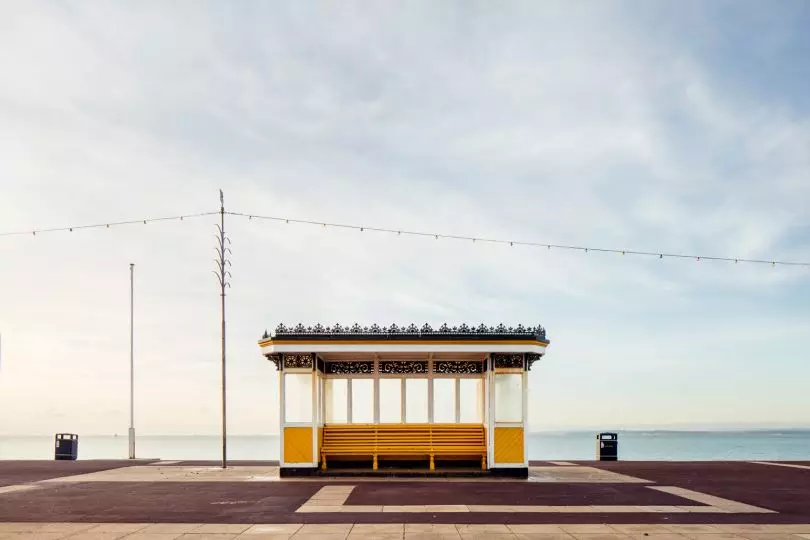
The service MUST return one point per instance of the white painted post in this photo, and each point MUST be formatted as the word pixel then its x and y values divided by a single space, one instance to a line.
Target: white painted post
pixel 490 411
pixel 131 360
pixel 315 410
pixel 281 411
pixel 402 399
pixel 349 400
pixel 430 388
pixel 525 415
pixel 458 400
pixel 376 372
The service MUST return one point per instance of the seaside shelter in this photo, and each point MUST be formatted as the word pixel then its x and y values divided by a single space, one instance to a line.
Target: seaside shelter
pixel 375 398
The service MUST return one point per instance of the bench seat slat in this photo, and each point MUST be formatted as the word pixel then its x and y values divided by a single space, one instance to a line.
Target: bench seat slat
pixel 425 440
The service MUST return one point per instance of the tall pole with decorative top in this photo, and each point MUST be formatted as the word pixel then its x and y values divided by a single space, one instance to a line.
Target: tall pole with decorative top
pixel 223 276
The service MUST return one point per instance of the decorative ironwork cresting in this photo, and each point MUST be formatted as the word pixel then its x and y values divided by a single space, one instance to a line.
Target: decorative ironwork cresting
pixel 403 332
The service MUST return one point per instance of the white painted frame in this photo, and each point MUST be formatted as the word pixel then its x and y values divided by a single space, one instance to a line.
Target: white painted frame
pixel 490 411
pixel 525 392
pixel 522 424
pixel 430 376
pixel 457 378
pixel 313 423
pixel 431 411
pixel 486 402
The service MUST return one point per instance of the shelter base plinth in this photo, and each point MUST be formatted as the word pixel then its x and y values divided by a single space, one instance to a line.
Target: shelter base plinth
pixel 404 472
pixel 287 472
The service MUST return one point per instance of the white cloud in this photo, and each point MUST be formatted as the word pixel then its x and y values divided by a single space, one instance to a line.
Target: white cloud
pixel 532 122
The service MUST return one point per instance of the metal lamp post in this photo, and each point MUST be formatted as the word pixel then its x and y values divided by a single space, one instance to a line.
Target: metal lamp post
pixel 223 275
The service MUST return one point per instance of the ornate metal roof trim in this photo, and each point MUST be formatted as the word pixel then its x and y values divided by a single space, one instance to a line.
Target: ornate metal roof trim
pixel 410 332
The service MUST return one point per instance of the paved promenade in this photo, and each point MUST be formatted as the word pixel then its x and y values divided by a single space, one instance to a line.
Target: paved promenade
pixel 559 501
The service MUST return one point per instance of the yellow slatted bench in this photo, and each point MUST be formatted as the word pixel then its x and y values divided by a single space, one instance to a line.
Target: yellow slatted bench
pixel 458 440
pixel 404 440
pixel 348 440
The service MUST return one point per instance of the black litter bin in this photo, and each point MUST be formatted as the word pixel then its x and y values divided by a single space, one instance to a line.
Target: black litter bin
pixel 67 446
pixel 607 446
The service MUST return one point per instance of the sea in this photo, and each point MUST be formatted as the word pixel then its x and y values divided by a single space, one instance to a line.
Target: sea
pixel 784 444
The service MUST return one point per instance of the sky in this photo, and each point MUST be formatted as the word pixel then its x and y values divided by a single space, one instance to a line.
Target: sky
pixel 660 126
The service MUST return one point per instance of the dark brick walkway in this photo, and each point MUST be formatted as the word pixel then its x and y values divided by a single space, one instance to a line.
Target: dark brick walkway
pixel 510 493
pixel 784 489
pixel 171 502
pixel 25 471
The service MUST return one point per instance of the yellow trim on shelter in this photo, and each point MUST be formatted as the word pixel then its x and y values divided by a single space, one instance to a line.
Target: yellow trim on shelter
pixel 509 445
pixel 298 445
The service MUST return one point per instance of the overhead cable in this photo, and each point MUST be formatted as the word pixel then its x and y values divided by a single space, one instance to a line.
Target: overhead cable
pixel 107 225
pixel 423 234
pixel 584 249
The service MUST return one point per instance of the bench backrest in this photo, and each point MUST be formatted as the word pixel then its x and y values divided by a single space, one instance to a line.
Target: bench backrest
pixel 394 436
pixel 349 434
pixel 458 435
pixel 403 436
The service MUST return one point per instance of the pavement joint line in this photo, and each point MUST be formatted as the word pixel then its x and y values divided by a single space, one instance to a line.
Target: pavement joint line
pixel 711 500
pixel 156 472
pixel 332 499
pixel 774 464
pixel 164 471
pixel 328 497
pixel 16 488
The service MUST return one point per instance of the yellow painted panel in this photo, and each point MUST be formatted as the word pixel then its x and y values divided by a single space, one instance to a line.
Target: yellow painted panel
pixel 508 445
pixel 298 445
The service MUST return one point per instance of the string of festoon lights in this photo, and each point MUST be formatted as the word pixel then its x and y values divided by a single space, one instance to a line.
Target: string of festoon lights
pixel 414 233
pixel 106 225
pixel 512 243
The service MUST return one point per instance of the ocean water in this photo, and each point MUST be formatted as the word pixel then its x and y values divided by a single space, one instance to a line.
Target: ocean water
pixel 789 444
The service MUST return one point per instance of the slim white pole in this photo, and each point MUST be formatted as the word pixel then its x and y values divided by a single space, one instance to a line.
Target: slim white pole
pixel 131 361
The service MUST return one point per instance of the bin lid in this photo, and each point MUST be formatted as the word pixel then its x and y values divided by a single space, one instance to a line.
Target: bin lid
pixel 66 436
pixel 608 436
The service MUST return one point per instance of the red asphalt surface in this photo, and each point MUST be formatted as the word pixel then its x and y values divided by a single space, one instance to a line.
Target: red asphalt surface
pixel 24 471
pixel 783 489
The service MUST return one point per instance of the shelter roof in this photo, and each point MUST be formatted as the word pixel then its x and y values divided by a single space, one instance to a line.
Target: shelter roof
pixel 411 332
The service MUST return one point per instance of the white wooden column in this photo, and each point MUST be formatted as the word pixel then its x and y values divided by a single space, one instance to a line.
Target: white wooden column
pixel 403 403
pixel 458 399
pixel 281 411
pixel 490 411
pixel 482 396
pixel 315 405
pixel 349 400
pixel 430 387
pixel 525 413
pixel 376 372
